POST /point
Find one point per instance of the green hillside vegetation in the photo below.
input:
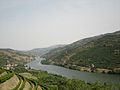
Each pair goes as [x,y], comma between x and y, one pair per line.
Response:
[102,52]
[21,85]
[53,82]
[95,54]
[9,56]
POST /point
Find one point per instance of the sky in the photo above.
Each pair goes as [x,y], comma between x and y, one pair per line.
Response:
[28,24]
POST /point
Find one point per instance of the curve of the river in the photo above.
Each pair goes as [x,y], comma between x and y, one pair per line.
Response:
[86,76]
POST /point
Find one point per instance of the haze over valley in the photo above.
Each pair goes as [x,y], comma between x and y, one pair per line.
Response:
[59,44]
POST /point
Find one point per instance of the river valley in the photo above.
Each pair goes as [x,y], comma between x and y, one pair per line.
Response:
[86,76]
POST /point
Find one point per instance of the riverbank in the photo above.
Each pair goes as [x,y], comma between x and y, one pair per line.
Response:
[49,81]
[74,74]
[84,69]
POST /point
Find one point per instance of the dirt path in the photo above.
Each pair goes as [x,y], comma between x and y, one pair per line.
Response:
[39,88]
[27,86]
[33,87]
[9,84]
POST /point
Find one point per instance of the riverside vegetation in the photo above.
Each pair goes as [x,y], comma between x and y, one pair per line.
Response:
[20,78]
[46,81]
[95,54]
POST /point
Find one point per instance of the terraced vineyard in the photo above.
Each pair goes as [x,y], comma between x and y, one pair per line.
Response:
[23,79]
[9,80]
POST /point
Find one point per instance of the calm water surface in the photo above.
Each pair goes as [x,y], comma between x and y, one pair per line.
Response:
[86,76]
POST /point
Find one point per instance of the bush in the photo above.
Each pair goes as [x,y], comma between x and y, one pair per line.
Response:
[7,76]
[23,84]
[16,88]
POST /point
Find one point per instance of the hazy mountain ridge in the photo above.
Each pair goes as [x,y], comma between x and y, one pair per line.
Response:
[71,46]
[103,51]
[42,51]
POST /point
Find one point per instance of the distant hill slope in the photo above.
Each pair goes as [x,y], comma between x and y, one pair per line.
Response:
[10,56]
[101,51]
[42,51]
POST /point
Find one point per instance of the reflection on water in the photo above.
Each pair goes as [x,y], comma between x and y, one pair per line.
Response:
[86,76]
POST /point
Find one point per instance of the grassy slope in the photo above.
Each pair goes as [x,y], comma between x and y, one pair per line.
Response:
[19,81]
[51,82]
[55,82]
[103,52]
[13,56]
[10,83]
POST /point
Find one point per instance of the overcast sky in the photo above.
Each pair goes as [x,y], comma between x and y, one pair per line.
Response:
[27,24]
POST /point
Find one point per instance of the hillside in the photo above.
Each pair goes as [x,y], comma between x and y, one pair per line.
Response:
[40,80]
[10,57]
[42,51]
[101,52]
[17,81]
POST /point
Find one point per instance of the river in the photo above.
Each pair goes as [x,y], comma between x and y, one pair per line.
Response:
[86,76]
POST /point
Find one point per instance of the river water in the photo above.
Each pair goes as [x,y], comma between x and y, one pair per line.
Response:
[86,76]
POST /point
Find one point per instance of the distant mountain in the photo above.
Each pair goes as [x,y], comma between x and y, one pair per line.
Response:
[42,51]
[101,51]
[10,56]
